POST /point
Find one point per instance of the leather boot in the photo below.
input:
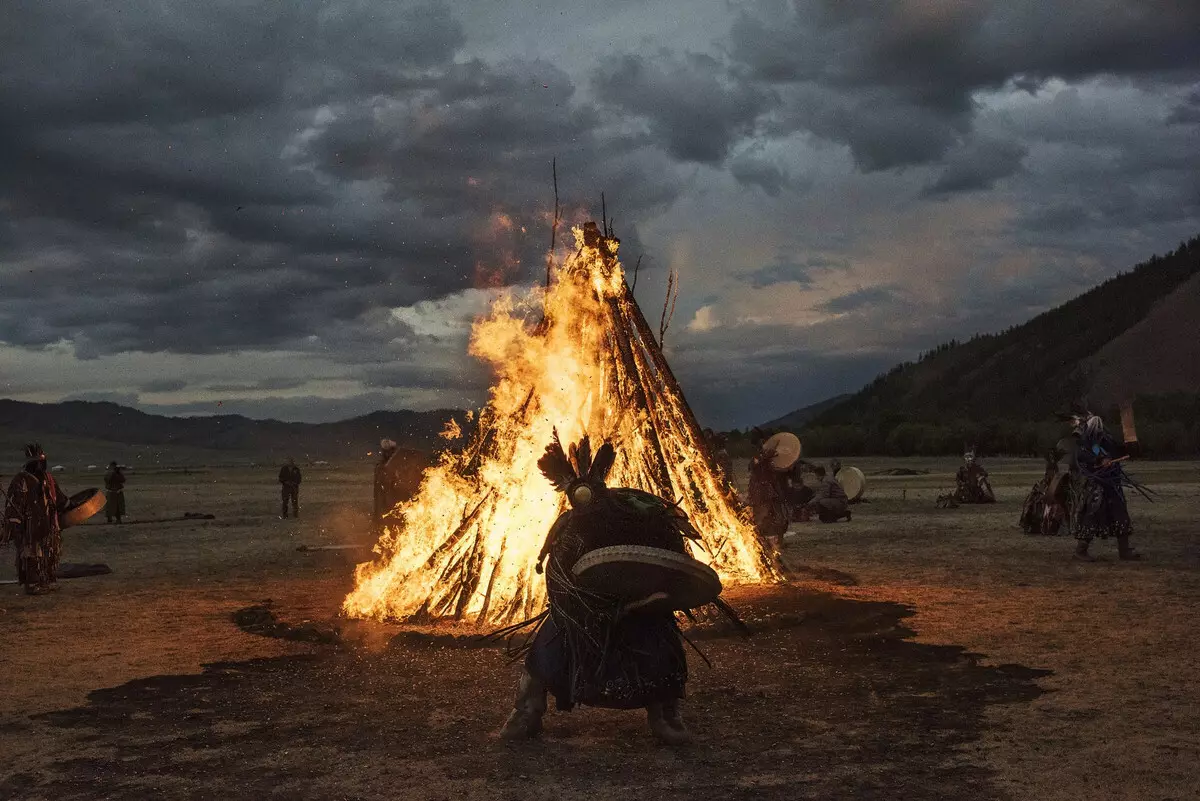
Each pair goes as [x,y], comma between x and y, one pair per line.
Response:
[666,724]
[1081,551]
[525,721]
[1124,551]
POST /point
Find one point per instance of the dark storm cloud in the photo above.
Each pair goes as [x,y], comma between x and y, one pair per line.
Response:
[977,165]
[752,170]
[802,272]
[266,384]
[895,81]
[1187,112]
[163,385]
[253,175]
[731,385]
[859,299]
[693,103]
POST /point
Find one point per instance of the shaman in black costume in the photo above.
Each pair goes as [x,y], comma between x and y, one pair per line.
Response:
[1098,502]
[594,649]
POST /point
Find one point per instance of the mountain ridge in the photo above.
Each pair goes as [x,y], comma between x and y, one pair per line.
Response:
[1130,338]
[106,422]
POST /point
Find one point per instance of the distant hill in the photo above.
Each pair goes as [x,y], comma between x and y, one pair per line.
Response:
[799,417]
[87,431]
[1132,337]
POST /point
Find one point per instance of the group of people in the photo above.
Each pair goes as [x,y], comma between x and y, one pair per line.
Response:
[777,497]
[397,476]
[1083,487]
[1089,495]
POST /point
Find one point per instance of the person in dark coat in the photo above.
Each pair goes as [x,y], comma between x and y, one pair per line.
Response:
[289,482]
[1098,484]
[590,649]
[114,491]
[31,523]
[398,476]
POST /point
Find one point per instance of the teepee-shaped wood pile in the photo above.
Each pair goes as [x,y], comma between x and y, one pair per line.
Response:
[465,547]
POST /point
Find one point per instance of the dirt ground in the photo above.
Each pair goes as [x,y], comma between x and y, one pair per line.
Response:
[918,654]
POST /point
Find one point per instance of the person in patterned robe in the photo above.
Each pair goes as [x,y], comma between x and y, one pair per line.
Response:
[31,522]
[1098,486]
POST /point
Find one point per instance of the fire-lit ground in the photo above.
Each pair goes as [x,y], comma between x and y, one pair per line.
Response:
[105,695]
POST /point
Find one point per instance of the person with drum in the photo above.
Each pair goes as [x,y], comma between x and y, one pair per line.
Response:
[31,523]
[601,644]
[114,491]
[768,489]
[829,499]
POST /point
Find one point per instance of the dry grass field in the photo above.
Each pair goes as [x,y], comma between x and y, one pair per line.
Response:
[917,654]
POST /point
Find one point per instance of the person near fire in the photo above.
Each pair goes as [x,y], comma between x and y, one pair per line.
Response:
[398,475]
[31,522]
[829,501]
[289,488]
[1100,509]
[971,481]
[767,494]
[593,649]
[114,493]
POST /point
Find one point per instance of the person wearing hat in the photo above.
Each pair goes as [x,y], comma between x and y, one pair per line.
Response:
[114,491]
[586,650]
[1100,509]
[31,522]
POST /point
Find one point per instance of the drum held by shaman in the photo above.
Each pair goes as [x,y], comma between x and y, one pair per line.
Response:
[632,572]
[81,506]
[786,447]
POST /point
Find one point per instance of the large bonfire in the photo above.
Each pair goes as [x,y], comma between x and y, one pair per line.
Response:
[465,547]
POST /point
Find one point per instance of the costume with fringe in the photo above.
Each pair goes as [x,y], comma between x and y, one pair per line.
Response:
[587,650]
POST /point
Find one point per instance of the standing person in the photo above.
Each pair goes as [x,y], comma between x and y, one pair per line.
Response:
[829,499]
[398,476]
[1100,508]
[385,480]
[289,481]
[31,522]
[114,490]
[768,501]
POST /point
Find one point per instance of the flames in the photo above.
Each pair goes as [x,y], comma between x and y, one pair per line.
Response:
[466,545]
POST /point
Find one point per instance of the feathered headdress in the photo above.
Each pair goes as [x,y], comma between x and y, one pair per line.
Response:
[579,474]
[34,452]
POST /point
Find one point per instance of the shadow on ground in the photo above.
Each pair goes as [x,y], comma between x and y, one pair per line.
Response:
[829,699]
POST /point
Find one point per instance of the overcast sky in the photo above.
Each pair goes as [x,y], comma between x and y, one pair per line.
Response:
[294,209]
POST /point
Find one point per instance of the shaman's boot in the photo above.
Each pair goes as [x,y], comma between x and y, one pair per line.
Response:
[525,721]
[666,724]
[1081,551]
[1124,551]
